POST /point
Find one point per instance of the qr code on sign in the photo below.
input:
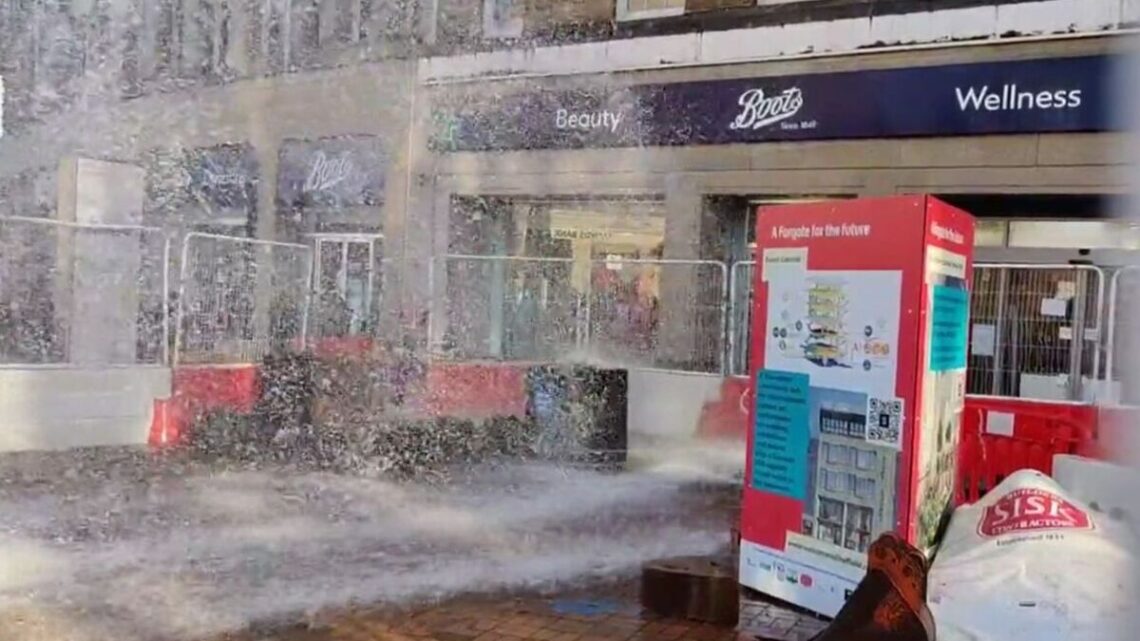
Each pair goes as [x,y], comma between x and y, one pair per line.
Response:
[884,421]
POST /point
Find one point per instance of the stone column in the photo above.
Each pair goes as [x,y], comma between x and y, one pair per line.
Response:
[97,289]
[427,279]
[677,327]
[411,207]
[265,228]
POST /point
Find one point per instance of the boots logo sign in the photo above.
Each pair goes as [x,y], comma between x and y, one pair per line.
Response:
[332,172]
[759,109]
[328,172]
[1031,509]
[1050,95]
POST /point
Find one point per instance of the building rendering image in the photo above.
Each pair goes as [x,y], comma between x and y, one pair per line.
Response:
[854,480]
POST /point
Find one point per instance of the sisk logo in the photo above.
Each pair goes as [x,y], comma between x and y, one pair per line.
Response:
[1028,509]
[759,110]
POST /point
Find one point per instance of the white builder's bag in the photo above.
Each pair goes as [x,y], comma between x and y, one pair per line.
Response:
[1030,563]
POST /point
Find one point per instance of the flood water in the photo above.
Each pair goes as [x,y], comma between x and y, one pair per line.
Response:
[138,549]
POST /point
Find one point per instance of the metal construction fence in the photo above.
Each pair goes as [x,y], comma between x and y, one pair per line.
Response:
[1037,330]
[86,294]
[348,285]
[630,312]
[659,314]
[740,316]
[83,294]
[501,307]
[224,281]
[100,294]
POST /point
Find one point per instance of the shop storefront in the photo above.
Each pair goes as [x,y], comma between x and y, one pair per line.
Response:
[1024,123]
[550,260]
[330,193]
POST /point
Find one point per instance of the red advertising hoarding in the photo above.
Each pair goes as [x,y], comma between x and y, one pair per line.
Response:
[859,343]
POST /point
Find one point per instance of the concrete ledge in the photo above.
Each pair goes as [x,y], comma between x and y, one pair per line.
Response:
[55,408]
[992,23]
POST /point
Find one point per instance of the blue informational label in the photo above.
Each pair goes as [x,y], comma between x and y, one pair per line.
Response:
[781,434]
[949,327]
[555,436]
[544,403]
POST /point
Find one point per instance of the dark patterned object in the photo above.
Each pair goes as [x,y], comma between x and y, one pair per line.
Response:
[330,414]
[580,413]
[510,437]
[284,411]
[694,588]
[280,422]
[222,435]
[349,389]
[890,602]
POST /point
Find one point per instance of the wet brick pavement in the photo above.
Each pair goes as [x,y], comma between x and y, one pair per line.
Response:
[607,615]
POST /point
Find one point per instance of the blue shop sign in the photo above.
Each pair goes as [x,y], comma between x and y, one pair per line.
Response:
[1012,97]
[224,176]
[343,171]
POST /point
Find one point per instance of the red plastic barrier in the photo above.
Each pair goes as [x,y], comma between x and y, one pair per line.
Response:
[475,390]
[201,389]
[169,422]
[727,417]
[207,388]
[1034,419]
[342,346]
[1040,430]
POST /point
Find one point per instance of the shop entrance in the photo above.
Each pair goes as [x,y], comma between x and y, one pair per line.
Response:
[532,279]
[347,282]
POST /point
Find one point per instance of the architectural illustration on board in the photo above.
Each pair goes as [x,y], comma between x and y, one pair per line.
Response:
[826,344]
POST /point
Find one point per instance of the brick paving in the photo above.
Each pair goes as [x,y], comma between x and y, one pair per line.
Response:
[612,615]
[766,621]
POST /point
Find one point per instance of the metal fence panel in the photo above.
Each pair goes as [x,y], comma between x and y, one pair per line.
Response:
[1036,330]
[238,297]
[1123,342]
[667,314]
[740,317]
[83,294]
[508,307]
[658,313]
[348,284]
